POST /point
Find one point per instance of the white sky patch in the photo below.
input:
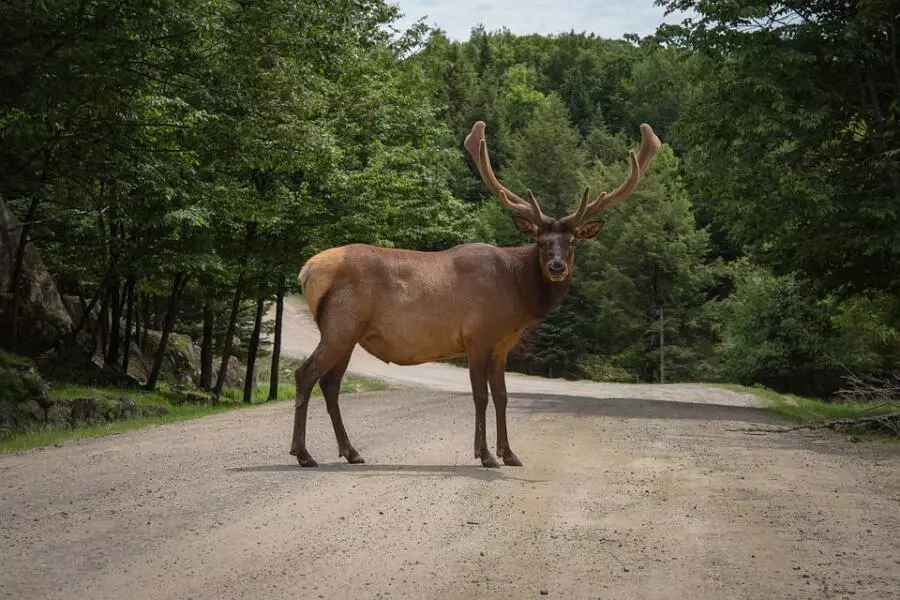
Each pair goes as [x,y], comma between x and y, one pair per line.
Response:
[604,18]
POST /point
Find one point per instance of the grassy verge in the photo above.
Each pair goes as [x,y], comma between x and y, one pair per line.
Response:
[231,400]
[812,410]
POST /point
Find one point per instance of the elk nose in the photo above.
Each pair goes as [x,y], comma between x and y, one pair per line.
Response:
[556,268]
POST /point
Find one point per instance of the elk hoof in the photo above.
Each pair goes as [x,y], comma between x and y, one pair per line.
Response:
[511,460]
[354,458]
[488,461]
[307,461]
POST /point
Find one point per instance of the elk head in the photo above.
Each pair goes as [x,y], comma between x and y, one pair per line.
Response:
[556,238]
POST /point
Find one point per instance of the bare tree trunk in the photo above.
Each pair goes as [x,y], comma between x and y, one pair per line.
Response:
[232,321]
[229,334]
[137,315]
[115,325]
[206,348]
[85,320]
[177,287]
[102,330]
[129,317]
[254,347]
[157,313]
[145,305]
[12,324]
[276,347]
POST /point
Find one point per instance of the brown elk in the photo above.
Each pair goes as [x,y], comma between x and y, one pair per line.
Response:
[474,300]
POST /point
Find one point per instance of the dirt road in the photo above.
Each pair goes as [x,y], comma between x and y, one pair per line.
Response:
[621,497]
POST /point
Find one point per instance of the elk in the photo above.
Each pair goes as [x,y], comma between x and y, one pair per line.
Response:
[474,300]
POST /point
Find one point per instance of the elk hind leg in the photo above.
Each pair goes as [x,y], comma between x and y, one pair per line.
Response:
[339,335]
[331,388]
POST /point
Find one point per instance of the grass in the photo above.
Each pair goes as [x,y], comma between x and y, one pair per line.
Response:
[812,410]
[231,400]
[8,359]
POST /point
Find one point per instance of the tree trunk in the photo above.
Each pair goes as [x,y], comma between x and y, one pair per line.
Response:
[137,316]
[115,325]
[276,347]
[157,313]
[251,354]
[229,334]
[101,333]
[145,304]
[12,325]
[206,349]
[85,320]
[232,321]
[172,309]
[129,317]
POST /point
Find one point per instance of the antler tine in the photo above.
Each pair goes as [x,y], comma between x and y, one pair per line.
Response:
[578,215]
[640,162]
[477,148]
[535,207]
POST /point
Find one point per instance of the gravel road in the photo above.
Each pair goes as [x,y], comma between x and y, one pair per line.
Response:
[628,492]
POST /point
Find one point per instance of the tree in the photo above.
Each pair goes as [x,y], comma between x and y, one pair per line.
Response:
[793,134]
[649,256]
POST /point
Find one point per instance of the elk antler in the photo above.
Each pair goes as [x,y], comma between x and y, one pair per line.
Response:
[477,147]
[640,162]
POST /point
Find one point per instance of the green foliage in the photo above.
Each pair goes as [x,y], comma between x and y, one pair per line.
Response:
[780,331]
[222,144]
[10,360]
[793,134]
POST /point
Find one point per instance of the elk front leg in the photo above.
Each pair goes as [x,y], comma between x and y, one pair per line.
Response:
[497,379]
[478,372]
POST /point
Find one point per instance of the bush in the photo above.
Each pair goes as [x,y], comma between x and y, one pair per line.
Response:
[601,368]
[777,331]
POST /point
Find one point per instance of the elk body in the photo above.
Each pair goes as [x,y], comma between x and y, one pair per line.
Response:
[475,300]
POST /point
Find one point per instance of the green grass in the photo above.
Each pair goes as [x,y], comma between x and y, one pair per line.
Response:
[231,400]
[8,359]
[812,410]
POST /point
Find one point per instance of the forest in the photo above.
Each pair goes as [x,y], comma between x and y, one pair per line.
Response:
[176,163]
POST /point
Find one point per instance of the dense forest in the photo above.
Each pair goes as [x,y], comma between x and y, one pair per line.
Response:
[175,164]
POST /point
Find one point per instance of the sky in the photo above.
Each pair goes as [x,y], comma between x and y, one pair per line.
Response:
[605,18]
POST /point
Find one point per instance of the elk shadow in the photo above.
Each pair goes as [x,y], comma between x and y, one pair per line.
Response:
[475,472]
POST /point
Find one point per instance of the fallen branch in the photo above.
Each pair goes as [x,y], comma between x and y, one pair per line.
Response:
[887,423]
[871,388]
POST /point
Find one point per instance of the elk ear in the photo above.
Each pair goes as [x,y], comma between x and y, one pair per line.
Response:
[588,230]
[525,226]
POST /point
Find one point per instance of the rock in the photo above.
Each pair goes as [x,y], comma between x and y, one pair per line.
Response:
[187,396]
[23,394]
[181,364]
[43,318]
[59,414]
[84,410]
[234,372]
[115,375]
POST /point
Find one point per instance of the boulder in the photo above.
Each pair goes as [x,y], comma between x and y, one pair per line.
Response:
[234,372]
[23,394]
[181,363]
[43,319]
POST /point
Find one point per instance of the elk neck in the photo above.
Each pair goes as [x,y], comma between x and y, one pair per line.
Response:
[544,295]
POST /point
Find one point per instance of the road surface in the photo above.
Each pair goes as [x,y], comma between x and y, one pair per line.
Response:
[640,492]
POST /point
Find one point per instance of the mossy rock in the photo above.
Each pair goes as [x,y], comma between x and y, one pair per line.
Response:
[23,394]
